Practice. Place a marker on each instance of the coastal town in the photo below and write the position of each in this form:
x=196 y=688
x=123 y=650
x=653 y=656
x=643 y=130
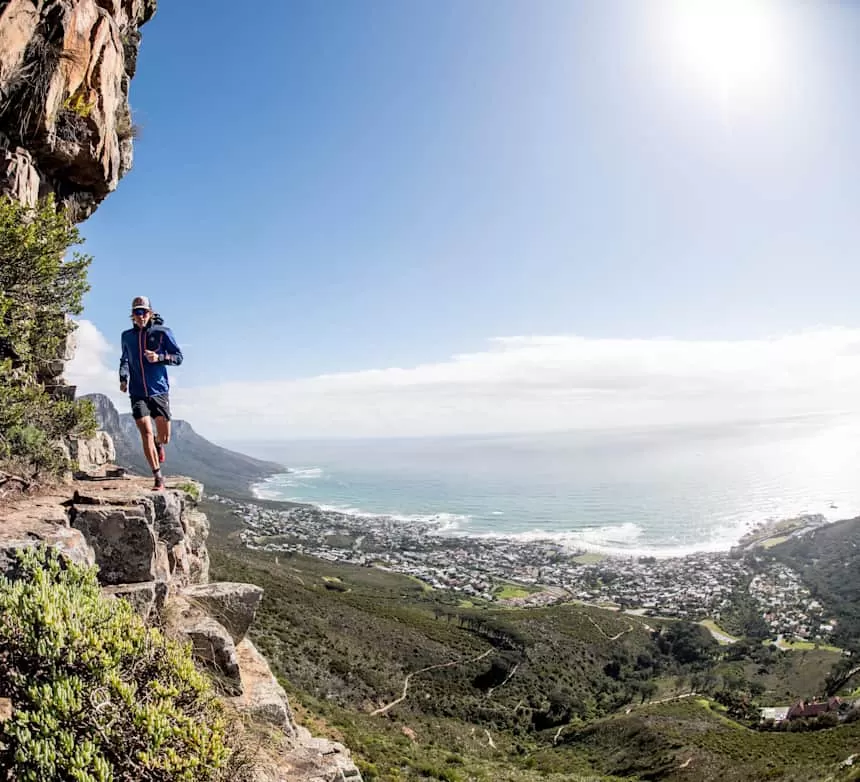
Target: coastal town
x=540 y=572
x=787 y=605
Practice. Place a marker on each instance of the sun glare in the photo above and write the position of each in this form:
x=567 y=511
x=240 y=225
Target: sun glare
x=730 y=49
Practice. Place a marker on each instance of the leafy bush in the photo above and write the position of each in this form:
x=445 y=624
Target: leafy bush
x=96 y=695
x=192 y=489
x=39 y=289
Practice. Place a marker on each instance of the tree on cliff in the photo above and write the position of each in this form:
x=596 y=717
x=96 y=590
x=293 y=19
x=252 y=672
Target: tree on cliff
x=39 y=288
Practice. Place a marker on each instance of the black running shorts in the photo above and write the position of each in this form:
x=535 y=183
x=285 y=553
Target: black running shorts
x=156 y=406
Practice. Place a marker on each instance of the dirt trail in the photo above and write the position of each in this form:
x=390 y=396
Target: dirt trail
x=507 y=679
x=662 y=700
x=605 y=634
x=389 y=706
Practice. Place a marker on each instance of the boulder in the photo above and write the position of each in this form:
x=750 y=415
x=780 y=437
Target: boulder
x=93 y=452
x=234 y=605
x=212 y=645
x=167 y=508
x=118 y=492
x=69 y=542
x=161 y=566
x=196 y=528
x=18 y=174
x=198 y=567
x=262 y=697
x=196 y=532
x=315 y=758
x=180 y=565
x=124 y=543
x=177 y=524
x=40 y=522
x=146 y=599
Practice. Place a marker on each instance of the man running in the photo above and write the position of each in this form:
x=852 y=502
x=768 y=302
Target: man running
x=147 y=350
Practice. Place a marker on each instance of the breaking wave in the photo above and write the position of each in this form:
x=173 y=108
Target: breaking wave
x=439 y=521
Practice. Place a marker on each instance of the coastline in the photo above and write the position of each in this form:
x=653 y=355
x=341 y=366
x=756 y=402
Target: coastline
x=742 y=536
x=697 y=586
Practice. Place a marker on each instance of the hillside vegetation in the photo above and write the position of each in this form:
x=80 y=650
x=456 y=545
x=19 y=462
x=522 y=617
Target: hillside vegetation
x=691 y=740
x=39 y=288
x=560 y=693
x=828 y=560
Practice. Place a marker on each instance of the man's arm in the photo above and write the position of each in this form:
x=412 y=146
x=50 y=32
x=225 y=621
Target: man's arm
x=170 y=352
x=123 y=367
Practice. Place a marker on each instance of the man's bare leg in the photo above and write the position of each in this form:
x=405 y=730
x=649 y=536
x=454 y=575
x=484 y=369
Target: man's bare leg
x=162 y=429
x=144 y=426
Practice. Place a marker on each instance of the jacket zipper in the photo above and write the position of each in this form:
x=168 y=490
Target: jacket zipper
x=140 y=356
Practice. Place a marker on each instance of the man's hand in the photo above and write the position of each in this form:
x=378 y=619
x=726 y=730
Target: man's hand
x=123 y=386
x=151 y=356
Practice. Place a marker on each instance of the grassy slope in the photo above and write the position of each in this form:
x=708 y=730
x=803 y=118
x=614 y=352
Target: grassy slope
x=689 y=741
x=785 y=677
x=352 y=634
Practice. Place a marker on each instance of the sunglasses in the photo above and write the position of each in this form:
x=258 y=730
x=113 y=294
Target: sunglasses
x=139 y=311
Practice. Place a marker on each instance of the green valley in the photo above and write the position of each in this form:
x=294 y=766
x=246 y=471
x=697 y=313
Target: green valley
x=423 y=685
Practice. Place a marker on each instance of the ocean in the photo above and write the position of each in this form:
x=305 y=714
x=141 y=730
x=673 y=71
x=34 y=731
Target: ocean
x=659 y=491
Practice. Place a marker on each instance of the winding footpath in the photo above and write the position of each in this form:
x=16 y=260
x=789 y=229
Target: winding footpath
x=389 y=706
x=507 y=679
x=605 y=634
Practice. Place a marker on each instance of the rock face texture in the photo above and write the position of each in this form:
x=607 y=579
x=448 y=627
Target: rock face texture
x=93 y=452
x=150 y=548
x=139 y=535
x=40 y=522
x=65 y=122
x=233 y=605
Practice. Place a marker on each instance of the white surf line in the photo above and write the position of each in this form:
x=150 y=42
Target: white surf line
x=509 y=677
x=409 y=676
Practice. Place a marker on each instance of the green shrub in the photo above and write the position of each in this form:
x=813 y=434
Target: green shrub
x=191 y=489
x=96 y=695
x=79 y=105
x=39 y=288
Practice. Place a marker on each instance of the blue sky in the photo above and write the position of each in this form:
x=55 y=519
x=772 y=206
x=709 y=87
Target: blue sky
x=337 y=189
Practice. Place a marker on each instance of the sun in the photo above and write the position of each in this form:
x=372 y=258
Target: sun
x=729 y=49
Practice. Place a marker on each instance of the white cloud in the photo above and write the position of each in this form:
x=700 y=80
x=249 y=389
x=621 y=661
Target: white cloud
x=95 y=366
x=532 y=383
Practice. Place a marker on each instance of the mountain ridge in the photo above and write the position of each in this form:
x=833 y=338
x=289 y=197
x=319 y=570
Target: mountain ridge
x=189 y=453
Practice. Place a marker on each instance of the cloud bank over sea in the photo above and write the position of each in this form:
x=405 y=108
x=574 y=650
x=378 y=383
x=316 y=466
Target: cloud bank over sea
x=520 y=384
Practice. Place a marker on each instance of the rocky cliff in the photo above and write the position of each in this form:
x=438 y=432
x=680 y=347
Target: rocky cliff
x=66 y=129
x=65 y=122
x=150 y=548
